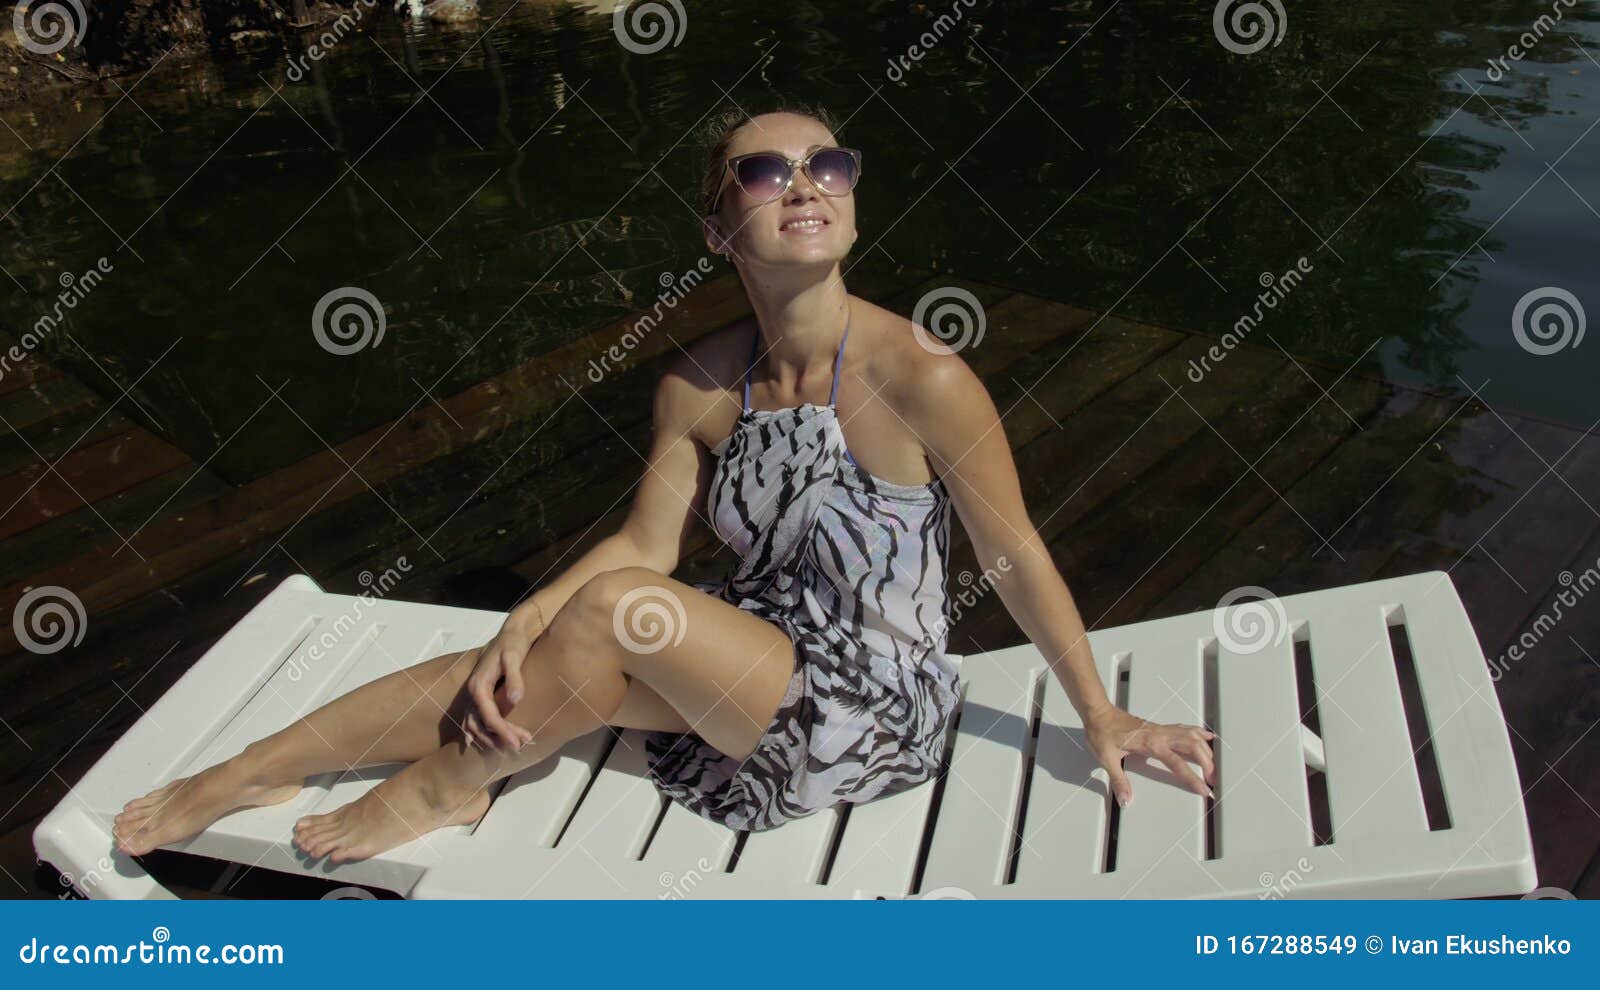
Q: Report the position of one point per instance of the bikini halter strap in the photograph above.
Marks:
(755, 342)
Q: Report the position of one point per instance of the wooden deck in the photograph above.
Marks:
(1156, 495)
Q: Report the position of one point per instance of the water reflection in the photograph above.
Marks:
(507, 182)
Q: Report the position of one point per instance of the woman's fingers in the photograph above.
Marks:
(1200, 752)
(1120, 787)
(1180, 768)
(482, 690)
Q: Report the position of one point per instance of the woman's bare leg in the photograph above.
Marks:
(723, 670)
(397, 718)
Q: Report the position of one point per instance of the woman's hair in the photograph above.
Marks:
(717, 133)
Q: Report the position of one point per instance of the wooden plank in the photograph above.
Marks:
(173, 547)
(83, 477)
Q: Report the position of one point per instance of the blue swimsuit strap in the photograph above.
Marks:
(755, 342)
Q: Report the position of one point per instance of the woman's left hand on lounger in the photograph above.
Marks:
(1114, 733)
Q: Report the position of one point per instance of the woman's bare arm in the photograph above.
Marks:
(951, 410)
(671, 493)
(948, 407)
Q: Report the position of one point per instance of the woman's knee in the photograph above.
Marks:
(632, 611)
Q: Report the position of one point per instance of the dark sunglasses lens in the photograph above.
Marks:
(834, 171)
(762, 176)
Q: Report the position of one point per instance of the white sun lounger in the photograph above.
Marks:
(1023, 811)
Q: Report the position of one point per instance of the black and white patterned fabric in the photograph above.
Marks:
(852, 568)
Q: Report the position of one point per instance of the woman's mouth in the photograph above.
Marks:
(803, 225)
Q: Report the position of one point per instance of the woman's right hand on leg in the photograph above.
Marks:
(501, 659)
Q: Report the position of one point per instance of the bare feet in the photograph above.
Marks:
(396, 811)
(188, 805)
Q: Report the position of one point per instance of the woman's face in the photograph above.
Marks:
(768, 234)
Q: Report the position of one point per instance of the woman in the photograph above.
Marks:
(815, 673)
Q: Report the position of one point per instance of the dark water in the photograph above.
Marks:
(544, 185)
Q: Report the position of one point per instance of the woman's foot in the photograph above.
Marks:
(188, 805)
(407, 805)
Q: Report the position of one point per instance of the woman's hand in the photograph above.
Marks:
(1113, 734)
(501, 659)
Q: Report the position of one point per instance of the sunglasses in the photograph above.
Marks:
(766, 175)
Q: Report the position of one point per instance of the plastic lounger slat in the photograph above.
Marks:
(617, 814)
(878, 852)
(689, 842)
(972, 837)
(1470, 740)
(534, 804)
(1064, 831)
(1263, 801)
(1164, 820)
(792, 854)
(1372, 777)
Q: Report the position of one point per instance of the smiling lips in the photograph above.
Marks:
(804, 223)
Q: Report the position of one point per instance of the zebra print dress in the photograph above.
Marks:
(852, 568)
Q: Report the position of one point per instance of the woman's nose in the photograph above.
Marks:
(801, 189)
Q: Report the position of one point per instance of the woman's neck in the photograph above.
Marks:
(800, 328)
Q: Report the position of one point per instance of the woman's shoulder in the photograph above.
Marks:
(699, 387)
(913, 366)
